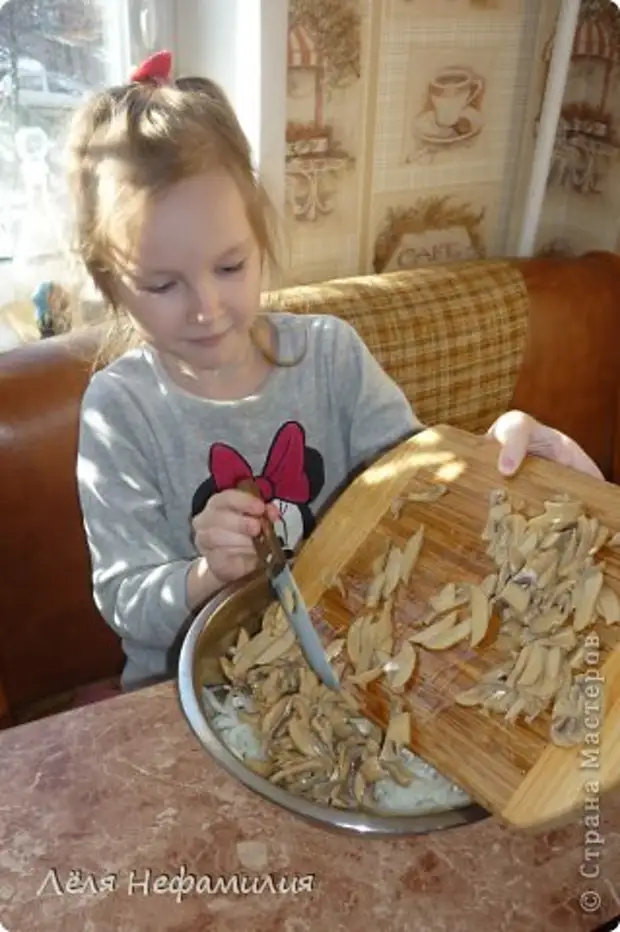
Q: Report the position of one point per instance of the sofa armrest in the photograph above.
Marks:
(52, 638)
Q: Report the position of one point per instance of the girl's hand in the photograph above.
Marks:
(520, 434)
(224, 533)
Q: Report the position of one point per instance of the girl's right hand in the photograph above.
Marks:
(225, 529)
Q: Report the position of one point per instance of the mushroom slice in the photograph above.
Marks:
(546, 622)
(303, 738)
(501, 699)
(263, 768)
(277, 649)
(243, 638)
(448, 598)
(355, 636)
(396, 507)
(295, 768)
(563, 512)
(546, 570)
(276, 715)
(411, 554)
(375, 589)
(401, 666)
(371, 770)
(368, 640)
(564, 638)
(399, 729)
(431, 494)
(384, 638)
(228, 669)
(366, 676)
(308, 682)
(529, 543)
(600, 538)
(509, 637)
(516, 596)
(534, 667)
(378, 564)
(516, 708)
(335, 648)
(520, 665)
(488, 585)
(439, 627)
(261, 649)
(322, 726)
(475, 695)
(392, 571)
(608, 605)
(444, 599)
(449, 638)
(567, 717)
(275, 620)
(496, 514)
(550, 681)
(399, 772)
(359, 786)
(480, 615)
(577, 658)
(585, 599)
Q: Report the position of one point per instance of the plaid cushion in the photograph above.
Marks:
(452, 336)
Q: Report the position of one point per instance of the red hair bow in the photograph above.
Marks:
(156, 68)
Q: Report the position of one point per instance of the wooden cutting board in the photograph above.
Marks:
(512, 769)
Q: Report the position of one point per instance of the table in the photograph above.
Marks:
(120, 793)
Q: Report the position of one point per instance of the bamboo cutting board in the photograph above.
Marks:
(512, 769)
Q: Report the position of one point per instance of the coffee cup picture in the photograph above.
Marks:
(451, 92)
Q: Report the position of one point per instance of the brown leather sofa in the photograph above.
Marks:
(54, 645)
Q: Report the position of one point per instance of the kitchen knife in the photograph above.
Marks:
(274, 561)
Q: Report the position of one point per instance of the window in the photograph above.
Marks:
(52, 52)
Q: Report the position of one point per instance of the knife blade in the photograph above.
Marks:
(287, 592)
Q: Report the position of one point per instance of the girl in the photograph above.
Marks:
(202, 391)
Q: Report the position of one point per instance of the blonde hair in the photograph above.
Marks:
(128, 144)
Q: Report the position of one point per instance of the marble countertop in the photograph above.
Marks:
(98, 805)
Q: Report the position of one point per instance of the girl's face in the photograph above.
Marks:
(192, 285)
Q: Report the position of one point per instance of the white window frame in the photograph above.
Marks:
(241, 44)
(251, 69)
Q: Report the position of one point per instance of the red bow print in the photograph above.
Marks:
(156, 68)
(283, 476)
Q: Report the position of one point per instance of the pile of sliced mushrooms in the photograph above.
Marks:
(547, 590)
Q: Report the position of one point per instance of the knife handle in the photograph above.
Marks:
(267, 545)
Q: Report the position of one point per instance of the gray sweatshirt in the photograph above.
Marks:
(151, 454)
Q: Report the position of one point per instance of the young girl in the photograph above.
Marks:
(173, 227)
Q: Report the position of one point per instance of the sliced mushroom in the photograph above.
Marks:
(567, 717)
(480, 615)
(535, 666)
(585, 599)
(425, 635)
(411, 555)
(401, 667)
(445, 639)
(392, 571)
(399, 729)
(608, 605)
(431, 494)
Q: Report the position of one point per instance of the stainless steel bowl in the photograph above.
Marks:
(212, 632)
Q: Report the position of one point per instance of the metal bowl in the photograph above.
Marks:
(213, 631)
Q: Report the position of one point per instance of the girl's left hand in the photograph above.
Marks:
(520, 434)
